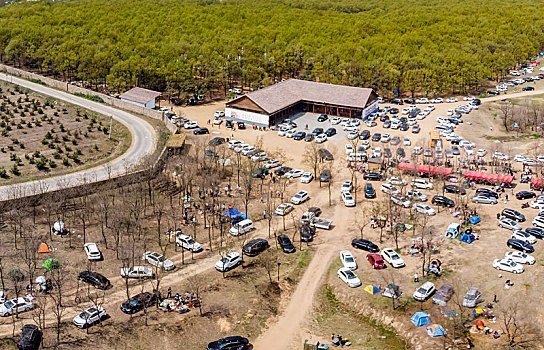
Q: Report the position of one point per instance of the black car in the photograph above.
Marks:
(230, 343)
(387, 124)
(535, 231)
(216, 141)
(138, 303)
(282, 170)
(285, 244)
(520, 245)
(317, 131)
(325, 154)
(477, 102)
(443, 201)
(454, 189)
(492, 92)
(396, 101)
(403, 120)
(513, 215)
(30, 338)
(372, 176)
(176, 101)
(528, 88)
(455, 150)
(400, 152)
(307, 233)
(322, 118)
(316, 210)
(95, 279)
(229, 124)
(201, 131)
(376, 137)
(330, 132)
(454, 121)
(255, 247)
(241, 125)
(521, 195)
(259, 173)
(364, 135)
(299, 135)
(394, 111)
(404, 127)
(487, 192)
(369, 191)
(325, 176)
(365, 244)
(309, 138)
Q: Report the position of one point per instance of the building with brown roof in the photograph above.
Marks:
(273, 104)
(141, 97)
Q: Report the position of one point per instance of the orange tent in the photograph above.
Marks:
(43, 248)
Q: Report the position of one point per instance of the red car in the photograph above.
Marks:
(376, 261)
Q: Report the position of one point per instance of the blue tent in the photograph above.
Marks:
(420, 318)
(436, 330)
(234, 213)
(474, 220)
(468, 238)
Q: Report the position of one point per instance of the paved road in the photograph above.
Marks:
(144, 139)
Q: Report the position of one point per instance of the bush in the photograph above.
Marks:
(15, 170)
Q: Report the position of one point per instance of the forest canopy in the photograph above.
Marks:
(187, 46)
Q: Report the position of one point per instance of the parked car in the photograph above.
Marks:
(228, 262)
(416, 196)
(95, 279)
(187, 242)
(365, 244)
(520, 245)
(443, 294)
(520, 257)
(92, 251)
(513, 215)
(443, 201)
(369, 191)
(524, 236)
(422, 184)
(348, 199)
(201, 131)
(508, 265)
(454, 189)
(535, 231)
(306, 177)
(235, 343)
(272, 163)
(138, 303)
(348, 260)
(137, 272)
(390, 189)
(322, 118)
(424, 292)
(325, 176)
(281, 171)
(293, 173)
(30, 338)
(284, 209)
(90, 316)
(392, 257)
(472, 298)
(300, 197)
(307, 233)
(349, 277)
(330, 132)
(483, 199)
(509, 224)
(286, 244)
(255, 247)
(522, 195)
(424, 209)
(158, 260)
(16, 306)
(372, 176)
(375, 261)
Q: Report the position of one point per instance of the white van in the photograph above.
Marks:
(242, 227)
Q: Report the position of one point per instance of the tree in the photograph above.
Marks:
(519, 335)
(312, 158)
(506, 108)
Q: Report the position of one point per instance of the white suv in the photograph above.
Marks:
(422, 184)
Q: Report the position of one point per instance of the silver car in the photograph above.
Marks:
(484, 199)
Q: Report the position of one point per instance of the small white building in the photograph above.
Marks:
(141, 97)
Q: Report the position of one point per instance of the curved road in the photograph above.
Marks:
(144, 140)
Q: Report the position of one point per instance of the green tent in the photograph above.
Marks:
(51, 264)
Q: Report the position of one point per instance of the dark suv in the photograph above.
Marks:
(230, 343)
(364, 135)
(30, 338)
(285, 244)
(513, 214)
(322, 118)
(325, 176)
(369, 191)
(454, 189)
(255, 247)
(372, 176)
(95, 279)
(487, 192)
(138, 303)
(376, 137)
(307, 233)
(443, 201)
(525, 195)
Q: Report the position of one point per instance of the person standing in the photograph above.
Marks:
(416, 277)
(169, 295)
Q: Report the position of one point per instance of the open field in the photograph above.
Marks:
(42, 136)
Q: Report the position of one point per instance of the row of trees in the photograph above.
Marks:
(201, 46)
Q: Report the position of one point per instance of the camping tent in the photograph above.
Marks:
(372, 289)
(420, 318)
(234, 213)
(391, 291)
(474, 219)
(436, 330)
(43, 248)
(468, 238)
(51, 264)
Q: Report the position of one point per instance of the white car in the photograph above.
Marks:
(402, 201)
(371, 123)
(16, 306)
(233, 143)
(376, 152)
(349, 148)
(272, 163)
(418, 150)
(481, 152)
(240, 147)
(228, 262)
(391, 256)
(537, 204)
(187, 242)
(390, 189)
(422, 100)
(425, 291)
(529, 161)
(247, 150)
(321, 138)
(416, 196)
(355, 122)
(468, 98)
(538, 221)
(348, 260)
(92, 251)
(524, 236)
(353, 135)
(438, 100)
(219, 114)
(291, 133)
(424, 209)
(520, 257)
(345, 122)
(385, 138)
(89, 317)
(336, 120)
(466, 143)
(519, 158)
(300, 197)
(500, 156)
(306, 177)
(293, 173)
(191, 125)
(348, 199)
(259, 157)
(509, 224)
(394, 180)
(137, 272)
(346, 186)
(349, 277)
(406, 111)
(452, 100)
(508, 265)
(406, 142)
(450, 112)
(422, 184)
(282, 131)
(158, 260)
(284, 209)
(217, 121)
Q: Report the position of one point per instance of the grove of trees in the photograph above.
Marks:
(201, 46)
